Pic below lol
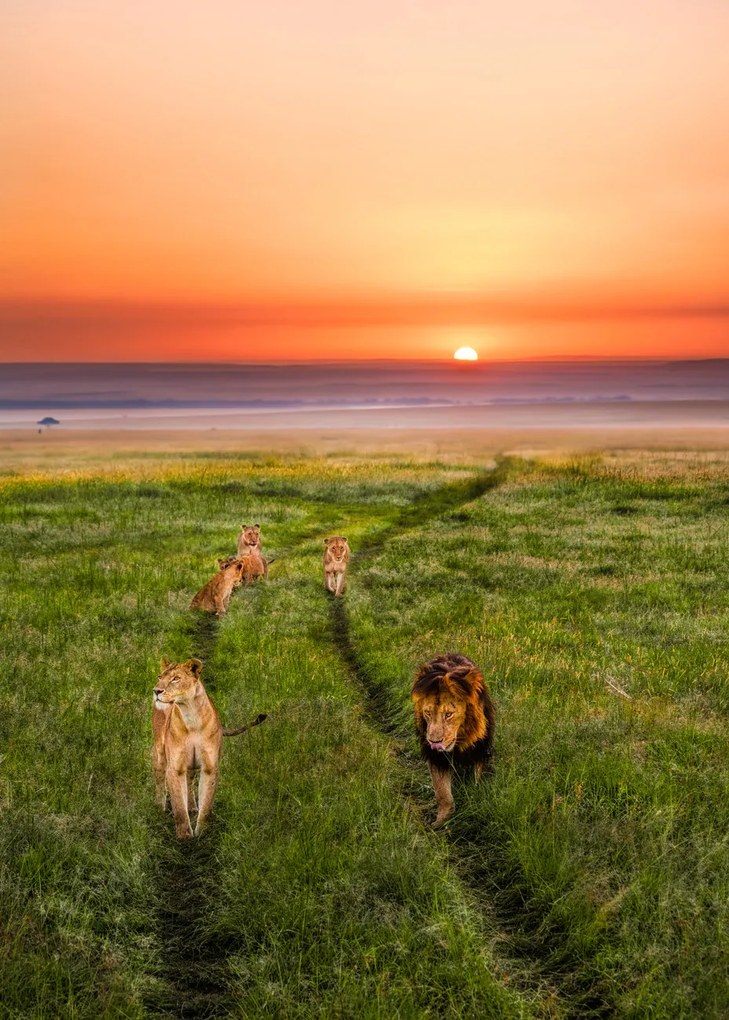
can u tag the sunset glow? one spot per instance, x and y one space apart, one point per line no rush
465 354
255 181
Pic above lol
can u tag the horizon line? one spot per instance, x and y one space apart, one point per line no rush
465 366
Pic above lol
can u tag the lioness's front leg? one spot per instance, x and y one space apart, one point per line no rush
191 798
208 784
160 787
329 581
177 787
341 583
443 796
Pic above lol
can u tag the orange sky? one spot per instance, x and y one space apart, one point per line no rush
395 178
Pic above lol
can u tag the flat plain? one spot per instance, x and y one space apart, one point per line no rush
588 877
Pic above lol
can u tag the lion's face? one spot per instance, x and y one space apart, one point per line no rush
443 716
337 546
178 681
250 534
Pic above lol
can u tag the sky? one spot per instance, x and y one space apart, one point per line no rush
240 180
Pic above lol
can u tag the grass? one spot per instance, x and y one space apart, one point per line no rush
588 877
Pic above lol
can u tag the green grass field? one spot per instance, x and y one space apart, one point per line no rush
589 877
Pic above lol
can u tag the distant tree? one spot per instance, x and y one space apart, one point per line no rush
47 421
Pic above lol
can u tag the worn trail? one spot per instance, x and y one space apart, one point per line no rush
544 963
196 984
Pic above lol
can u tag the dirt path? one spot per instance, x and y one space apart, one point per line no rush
539 959
187 878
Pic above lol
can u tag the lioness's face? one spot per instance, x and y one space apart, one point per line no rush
178 681
337 546
444 715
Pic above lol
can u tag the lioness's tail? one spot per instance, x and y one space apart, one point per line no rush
241 729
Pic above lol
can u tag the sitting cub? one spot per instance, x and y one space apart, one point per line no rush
214 597
249 539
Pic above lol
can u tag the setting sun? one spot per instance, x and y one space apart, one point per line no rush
465 354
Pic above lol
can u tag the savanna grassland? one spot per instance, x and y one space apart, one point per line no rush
588 877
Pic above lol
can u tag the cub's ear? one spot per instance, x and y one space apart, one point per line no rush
165 662
195 666
239 566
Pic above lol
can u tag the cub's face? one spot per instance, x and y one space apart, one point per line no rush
443 715
232 568
250 534
337 546
178 681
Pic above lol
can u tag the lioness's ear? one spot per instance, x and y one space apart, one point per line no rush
344 539
327 541
165 662
195 666
257 527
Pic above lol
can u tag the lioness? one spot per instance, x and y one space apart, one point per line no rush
187 738
336 558
249 539
454 719
214 597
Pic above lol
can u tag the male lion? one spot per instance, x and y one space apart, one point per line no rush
187 739
454 719
214 597
336 558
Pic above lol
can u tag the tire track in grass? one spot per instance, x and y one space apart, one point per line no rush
551 972
196 984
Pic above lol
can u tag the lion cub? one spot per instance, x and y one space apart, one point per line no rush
214 597
249 539
336 558
187 739
249 544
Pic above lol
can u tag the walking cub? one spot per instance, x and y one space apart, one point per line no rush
187 739
336 558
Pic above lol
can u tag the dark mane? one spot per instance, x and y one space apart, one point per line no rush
430 675
429 681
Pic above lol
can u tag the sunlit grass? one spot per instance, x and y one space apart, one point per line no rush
588 876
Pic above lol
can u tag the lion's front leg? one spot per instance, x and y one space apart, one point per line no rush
208 785
443 796
160 786
177 787
159 758
191 798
